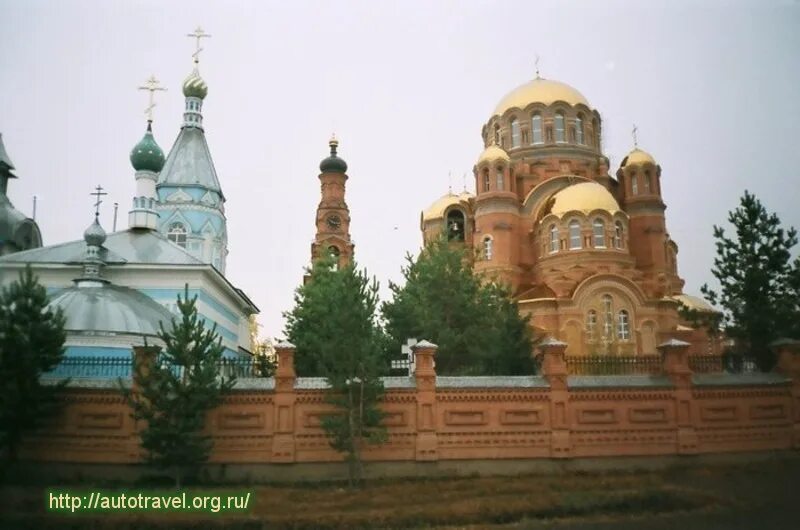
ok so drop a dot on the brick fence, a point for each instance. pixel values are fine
(433, 418)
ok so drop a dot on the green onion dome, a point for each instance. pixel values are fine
(333, 164)
(95, 236)
(147, 155)
(194, 86)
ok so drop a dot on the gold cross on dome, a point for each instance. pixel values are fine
(537, 66)
(152, 85)
(198, 34)
(97, 193)
(633, 132)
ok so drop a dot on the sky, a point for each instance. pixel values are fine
(713, 87)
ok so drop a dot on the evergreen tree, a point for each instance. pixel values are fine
(476, 325)
(31, 342)
(174, 394)
(758, 284)
(334, 328)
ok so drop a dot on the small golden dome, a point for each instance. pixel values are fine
(539, 91)
(437, 209)
(694, 302)
(584, 197)
(493, 153)
(637, 156)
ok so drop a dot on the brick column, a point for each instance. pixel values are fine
(788, 352)
(554, 369)
(425, 379)
(675, 359)
(283, 424)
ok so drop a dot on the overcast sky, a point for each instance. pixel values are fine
(714, 88)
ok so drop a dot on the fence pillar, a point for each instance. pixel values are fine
(554, 369)
(425, 379)
(788, 353)
(675, 358)
(283, 447)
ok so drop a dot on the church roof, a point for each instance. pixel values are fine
(127, 246)
(189, 162)
(4, 159)
(111, 309)
(545, 91)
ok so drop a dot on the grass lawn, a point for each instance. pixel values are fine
(470, 502)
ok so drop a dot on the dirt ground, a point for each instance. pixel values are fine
(763, 494)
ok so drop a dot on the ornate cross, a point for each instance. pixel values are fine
(537, 66)
(198, 34)
(152, 85)
(97, 193)
(633, 132)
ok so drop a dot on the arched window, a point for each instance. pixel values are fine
(646, 182)
(487, 248)
(579, 129)
(635, 184)
(333, 252)
(591, 324)
(623, 325)
(560, 131)
(515, 133)
(177, 234)
(500, 183)
(553, 239)
(486, 181)
(497, 138)
(536, 128)
(599, 232)
(608, 315)
(574, 235)
(618, 233)
(455, 225)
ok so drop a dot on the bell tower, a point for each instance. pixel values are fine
(333, 216)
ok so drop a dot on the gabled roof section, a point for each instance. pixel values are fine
(189, 162)
(5, 161)
(127, 246)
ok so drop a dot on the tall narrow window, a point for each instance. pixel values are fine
(487, 248)
(560, 131)
(515, 133)
(623, 325)
(646, 182)
(579, 129)
(618, 234)
(591, 324)
(500, 183)
(599, 232)
(536, 128)
(497, 134)
(455, 225)
(608, 316)
(553, 239)
(634, 184)
(574, 235)
(333, 252)
(177, 234)
(486, 181)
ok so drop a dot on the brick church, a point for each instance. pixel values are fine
(588, 256)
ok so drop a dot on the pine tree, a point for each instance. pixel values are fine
(333, 326)
(758, 284)
(476, 325)
(174, 394)
(31, 343)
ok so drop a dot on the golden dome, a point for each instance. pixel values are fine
(493, 153)
(540, 91)
(584, 197)
(637, 156)
(694, 302)
(437, 209)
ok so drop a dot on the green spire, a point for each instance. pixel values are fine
(147, 155)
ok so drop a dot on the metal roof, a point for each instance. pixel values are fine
(110, 309)
(189, 162)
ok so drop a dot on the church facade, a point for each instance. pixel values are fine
(587, 256)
